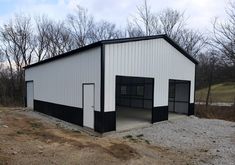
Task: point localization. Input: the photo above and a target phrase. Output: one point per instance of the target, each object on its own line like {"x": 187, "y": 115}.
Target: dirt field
{"x": 28, "y": 140}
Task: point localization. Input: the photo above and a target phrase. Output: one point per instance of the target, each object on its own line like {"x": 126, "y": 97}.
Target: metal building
{"x": 110, "y": 84}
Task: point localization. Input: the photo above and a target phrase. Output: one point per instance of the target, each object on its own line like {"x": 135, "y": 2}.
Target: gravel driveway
{"x": 207, "y": 141}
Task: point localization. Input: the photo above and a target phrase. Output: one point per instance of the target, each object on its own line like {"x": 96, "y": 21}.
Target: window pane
{"x": 123, "y": 90}
{"x": 140, "y": 91}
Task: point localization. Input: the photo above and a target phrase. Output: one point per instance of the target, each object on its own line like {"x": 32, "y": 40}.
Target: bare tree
{"x": 104, "y": 30}
{"x": 81, "y": 25}
{"x": 52, "y": 38}
{"x": 172, "y": 23}
{"x": 168, "y": 21}
{"x": 133, "y": 31}
{"x": 145, "y": 17}
{"x": 59, "y": 39}
{"x": 41, "y": 41}
{"x": 206, "y": 72}
{"x": 145, "y": 23}
{"x": 211, "y": 68}
{"x": 16, "y": 37}
{"x": 224, "y": 35}
{"x": 192, "y": 41}
{"x": 16, "y": 46}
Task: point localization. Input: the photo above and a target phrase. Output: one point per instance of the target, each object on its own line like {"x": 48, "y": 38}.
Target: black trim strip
{"x": 159, "y": 114}
{"x": 191, "y": 109}
{"x": 100, "y": 124}
{"x": 179, "y": 101}
{"x": 105, "y": 121}
{"x": 153, "y": 113}
{"x": 114, "y": 41}
{"x": 63, "y": 112}
{"x": 102, "y": 71}
{"x": 194, "y": 83}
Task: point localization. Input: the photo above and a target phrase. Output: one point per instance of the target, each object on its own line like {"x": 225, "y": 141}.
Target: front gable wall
{"x": 154, "y": 58}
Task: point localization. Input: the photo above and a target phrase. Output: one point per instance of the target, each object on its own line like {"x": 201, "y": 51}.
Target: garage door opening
{"x": 179, "y": 97}
{"x": 134, "y": 102}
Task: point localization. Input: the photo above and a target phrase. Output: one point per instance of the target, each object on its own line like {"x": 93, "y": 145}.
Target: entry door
{"x": 30, "y": 94}
{"x": 182, "y": 97}
{"x": 88, "y": 105}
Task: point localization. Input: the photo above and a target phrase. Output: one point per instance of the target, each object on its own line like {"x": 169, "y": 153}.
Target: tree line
{"x": 25, "y": 40}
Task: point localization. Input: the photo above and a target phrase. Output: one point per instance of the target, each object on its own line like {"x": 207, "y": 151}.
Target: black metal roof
{"x": 114, "y": 41}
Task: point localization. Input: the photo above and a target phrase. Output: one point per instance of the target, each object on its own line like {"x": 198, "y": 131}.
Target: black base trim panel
{"x": 25, "y": 101}
{"x": 191, "y": 109}
{"x": 70, "y": 114}
{"x": 159, "y": 114}
{"x": 105, "y": 121}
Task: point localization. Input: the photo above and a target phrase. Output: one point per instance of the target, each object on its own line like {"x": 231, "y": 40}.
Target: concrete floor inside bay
{"x": 129, "y": 118}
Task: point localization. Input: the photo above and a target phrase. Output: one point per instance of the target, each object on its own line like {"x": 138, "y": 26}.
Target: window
{"x": 123, "y": 90}
{"x": 140, "y": 90}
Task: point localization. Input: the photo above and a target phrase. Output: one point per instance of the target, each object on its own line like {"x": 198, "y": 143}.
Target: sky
{"x": 199, "y": 13}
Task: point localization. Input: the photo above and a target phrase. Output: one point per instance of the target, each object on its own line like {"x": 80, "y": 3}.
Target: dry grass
{"x": 216, "y": 112}
{"x": 224, "y": 92}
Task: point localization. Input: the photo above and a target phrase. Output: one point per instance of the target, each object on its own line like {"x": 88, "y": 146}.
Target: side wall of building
{"x": 60, "y": 82}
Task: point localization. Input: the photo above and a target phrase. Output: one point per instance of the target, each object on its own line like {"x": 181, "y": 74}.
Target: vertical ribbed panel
{"x": 148, "y": 58}
{"x": 60, "y": 81}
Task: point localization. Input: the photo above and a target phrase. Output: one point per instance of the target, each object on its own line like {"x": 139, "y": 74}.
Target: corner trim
{"x": 105, "y": 121}
{"x": 102, "y": 77}
{"x": 159, "y": 114}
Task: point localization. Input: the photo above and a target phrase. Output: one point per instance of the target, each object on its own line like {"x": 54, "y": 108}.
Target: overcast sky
{"x": 200, "y": 13}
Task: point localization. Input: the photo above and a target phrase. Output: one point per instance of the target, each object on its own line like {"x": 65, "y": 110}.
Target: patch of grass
{"x": 140, "y": 135}
{"x": 4, "y": 160}
{"x": 77, "y": 131}
{"x": 128, "y": 137}
{"x": 20, "y": 132}
{"x": 35, "y": 125}
{"x": 137, "y": 138}
{"x": 131, "y": 138}
{"x": 224, "y": 92}
{"x": 146, "y": 141}
{"x": 123, "y": 151}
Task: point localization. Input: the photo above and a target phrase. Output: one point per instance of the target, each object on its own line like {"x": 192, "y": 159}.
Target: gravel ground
{"x": 211, "y": 141}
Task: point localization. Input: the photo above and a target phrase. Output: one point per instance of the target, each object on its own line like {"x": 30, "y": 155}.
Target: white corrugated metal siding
{"x": 60, "y": 81}
{"x": 148, "y": 58}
